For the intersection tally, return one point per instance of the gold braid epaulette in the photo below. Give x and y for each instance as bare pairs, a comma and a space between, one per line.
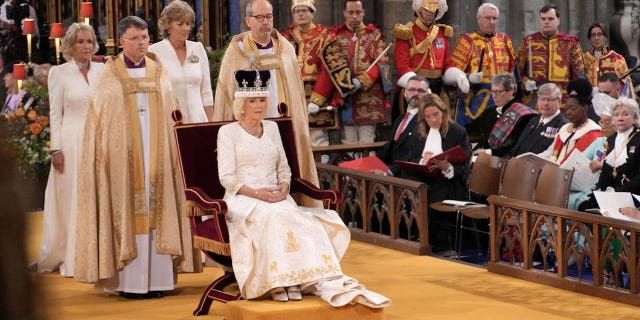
403, 31
448, 30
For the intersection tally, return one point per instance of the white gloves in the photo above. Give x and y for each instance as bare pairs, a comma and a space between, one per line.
356, 83
455, 76
475, 77
530, 86
404, 80
463, 84
313, 108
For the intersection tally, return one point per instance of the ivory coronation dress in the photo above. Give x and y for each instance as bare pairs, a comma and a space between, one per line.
191, 81
69, 96
281, 244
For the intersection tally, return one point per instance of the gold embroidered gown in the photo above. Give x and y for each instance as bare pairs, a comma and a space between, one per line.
280, 244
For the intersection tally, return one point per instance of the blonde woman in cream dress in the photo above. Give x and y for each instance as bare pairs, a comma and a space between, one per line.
70, 86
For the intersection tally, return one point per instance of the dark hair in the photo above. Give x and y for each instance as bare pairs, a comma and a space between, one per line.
597, 25
580, 89
609, 76
548, 8
131, 21
347, 1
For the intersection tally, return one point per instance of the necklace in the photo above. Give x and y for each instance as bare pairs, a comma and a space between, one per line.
256, 133
83, 65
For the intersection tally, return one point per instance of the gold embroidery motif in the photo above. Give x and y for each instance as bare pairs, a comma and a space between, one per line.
273, 267
292, 243
327, 258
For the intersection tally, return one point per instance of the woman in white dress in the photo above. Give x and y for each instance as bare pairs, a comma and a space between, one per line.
70, 86
185, 61
277, 248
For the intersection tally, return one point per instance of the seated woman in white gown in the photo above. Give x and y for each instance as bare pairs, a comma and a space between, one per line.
277, 247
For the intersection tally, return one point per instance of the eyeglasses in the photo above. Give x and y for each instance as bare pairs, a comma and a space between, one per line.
548, 99
414, 90
302, 11
497, 92
262, 17
138, 38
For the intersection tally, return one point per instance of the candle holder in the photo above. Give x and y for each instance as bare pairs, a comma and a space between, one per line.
86, 11
28, 29
56, 33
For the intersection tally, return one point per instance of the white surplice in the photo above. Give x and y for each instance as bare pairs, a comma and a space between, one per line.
149, 271
191, 81
281, 244
68, 102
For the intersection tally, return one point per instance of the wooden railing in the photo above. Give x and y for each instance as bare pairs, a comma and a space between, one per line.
341, 151
572, 250
382, 210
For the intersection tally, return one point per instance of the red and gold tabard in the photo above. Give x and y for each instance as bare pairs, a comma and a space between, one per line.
610, 61
497, 55
556, 59
308, 46
363, 45
421, 49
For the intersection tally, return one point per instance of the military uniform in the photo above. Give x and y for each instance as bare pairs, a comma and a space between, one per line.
360, 48
497, 55
557, 59
610, 61
308, 46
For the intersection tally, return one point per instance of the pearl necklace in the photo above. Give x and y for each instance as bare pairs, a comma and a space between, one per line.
256, 133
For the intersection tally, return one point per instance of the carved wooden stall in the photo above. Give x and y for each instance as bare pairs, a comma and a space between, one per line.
381, 210
572, 250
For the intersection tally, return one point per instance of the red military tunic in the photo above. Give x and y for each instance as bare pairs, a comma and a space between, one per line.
421, 49
610, 61
498, 56
308, 46
362, 46
557, 59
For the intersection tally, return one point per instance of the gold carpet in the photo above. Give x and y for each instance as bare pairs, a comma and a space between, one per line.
420, 288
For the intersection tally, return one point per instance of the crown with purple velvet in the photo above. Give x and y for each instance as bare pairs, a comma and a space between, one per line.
251, 83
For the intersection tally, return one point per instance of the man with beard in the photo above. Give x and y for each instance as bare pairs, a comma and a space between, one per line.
405, 136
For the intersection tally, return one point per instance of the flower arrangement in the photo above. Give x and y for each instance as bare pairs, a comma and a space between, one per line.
31, 136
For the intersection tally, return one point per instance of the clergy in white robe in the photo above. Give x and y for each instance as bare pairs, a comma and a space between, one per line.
128, 227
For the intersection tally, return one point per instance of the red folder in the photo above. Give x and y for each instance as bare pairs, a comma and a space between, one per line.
365, 164
454, 155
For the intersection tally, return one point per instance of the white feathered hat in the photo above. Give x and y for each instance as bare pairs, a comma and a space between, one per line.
306, 3
431, 5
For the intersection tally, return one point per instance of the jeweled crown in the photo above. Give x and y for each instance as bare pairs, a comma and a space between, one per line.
251, 83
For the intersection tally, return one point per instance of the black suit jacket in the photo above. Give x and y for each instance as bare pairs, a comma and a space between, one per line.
405, 149
537, 139
630, 170
441, 188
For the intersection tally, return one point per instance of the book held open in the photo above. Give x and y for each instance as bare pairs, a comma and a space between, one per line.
455, 155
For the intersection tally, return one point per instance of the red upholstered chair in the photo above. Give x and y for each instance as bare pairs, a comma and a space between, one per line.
197, 149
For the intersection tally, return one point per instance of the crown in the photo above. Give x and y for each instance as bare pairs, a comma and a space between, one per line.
306, 3
251, 83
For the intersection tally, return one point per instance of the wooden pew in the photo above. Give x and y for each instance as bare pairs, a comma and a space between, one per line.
381, 210
342, 150
559, 232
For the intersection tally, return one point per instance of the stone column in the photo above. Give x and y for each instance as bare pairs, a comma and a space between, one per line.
630, 26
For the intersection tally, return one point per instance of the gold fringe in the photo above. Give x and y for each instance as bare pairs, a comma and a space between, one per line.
194, 210
211, 246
